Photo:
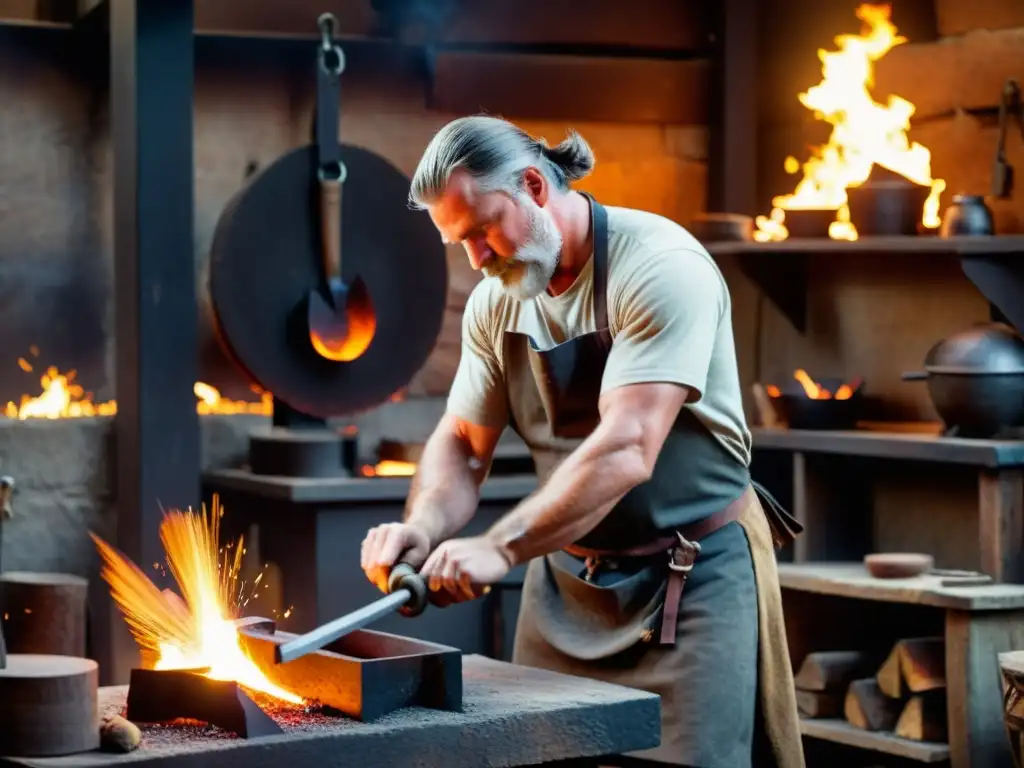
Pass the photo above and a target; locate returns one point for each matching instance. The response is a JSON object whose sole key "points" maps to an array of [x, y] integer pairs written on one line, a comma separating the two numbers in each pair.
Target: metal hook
{"points": [[326, 23], [331, 57]]}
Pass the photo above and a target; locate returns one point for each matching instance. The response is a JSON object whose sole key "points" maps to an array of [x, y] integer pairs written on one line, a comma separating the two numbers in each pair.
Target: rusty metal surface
{"points": [[516, 716], [266, 257], [162, 696], [365, 674]]}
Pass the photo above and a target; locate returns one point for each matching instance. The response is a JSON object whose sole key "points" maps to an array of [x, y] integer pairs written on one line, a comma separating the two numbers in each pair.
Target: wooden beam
{"points": [[732, 181], [677, 25], [227, 17], [966, 72], [572, 87], [956, 17], [280, 17], [157, 429]]}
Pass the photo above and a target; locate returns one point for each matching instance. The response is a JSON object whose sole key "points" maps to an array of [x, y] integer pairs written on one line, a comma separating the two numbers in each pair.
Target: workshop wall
{"points": [[876, 316], [55, 164]]}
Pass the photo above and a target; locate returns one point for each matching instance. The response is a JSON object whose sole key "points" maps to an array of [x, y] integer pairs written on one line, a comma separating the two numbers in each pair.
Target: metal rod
{"points": [[328, 633]]}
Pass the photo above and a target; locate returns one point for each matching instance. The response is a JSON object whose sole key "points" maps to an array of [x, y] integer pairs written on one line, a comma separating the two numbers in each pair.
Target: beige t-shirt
{"points": [[669, 313]]}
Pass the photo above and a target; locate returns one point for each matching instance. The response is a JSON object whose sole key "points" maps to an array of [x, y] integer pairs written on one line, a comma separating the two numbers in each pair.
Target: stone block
{"points": [[58, 455], [225, 439], [687, 142], [957, 16], [669, 186], [65, 484], [50, 531], [966, 72]]}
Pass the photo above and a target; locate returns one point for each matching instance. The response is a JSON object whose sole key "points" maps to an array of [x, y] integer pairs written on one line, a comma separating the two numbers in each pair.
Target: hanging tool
{"points": [[1002, 172], [340, 315], [407, 594]]}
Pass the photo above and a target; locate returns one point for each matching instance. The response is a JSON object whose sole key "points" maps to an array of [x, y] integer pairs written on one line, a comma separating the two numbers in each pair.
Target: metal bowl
{"points": [[810, 222], [802, 412]]}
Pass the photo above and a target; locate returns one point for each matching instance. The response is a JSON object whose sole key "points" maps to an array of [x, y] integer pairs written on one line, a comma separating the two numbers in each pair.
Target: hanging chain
{"points": [[331, 57]]}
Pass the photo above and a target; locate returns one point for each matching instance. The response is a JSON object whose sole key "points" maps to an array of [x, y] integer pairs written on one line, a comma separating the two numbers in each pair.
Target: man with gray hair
{"points": [[603, 337]]}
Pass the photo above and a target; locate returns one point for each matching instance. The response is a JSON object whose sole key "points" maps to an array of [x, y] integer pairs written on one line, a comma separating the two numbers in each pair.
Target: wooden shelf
{"points": [[841, 732], [853, 580], [924, 245], [991, 454], [994, 263]]}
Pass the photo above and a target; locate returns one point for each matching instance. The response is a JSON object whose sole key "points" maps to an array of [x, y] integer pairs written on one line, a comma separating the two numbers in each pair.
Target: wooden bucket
{"points": [[1012, 666]]}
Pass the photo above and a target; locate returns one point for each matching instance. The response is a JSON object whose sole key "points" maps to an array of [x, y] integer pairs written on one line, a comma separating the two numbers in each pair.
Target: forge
{"points": [[210, 688], [514, 716]]}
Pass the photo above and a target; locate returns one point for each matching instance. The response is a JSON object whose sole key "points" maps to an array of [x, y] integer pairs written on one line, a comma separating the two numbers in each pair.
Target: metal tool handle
{"points": [[404, 576], [330, 225], [1002, 171]]}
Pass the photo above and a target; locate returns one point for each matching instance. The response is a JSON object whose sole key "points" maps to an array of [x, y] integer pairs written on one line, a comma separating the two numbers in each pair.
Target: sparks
{"points": [[196, 631]]}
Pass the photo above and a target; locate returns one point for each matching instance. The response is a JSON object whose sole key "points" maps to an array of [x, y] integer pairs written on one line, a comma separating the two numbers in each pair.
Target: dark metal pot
{"points": [[976, 380], [801, 412], [887, 207], [968, 215]]}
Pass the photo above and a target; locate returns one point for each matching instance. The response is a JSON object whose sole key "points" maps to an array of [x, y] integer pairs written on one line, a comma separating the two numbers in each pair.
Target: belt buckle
{"points": [[688, 550]]}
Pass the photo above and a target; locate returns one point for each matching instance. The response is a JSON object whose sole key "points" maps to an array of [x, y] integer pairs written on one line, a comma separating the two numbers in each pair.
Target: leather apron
{"points": [[716, 651]]}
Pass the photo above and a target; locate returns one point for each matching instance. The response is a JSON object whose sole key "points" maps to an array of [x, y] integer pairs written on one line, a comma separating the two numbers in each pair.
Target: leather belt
{"points": [[682, 549]]}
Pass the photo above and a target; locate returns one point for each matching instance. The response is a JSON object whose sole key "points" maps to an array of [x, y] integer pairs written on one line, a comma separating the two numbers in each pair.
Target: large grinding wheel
{"points": [[266, 258], [48, 706]]}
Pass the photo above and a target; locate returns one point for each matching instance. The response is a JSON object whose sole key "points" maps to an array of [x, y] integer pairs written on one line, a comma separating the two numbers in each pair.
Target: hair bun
{"points": [[573, 156]]}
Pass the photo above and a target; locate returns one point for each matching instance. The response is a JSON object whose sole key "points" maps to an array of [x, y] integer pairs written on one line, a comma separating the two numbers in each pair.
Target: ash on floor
{"points": [[291, 718]]}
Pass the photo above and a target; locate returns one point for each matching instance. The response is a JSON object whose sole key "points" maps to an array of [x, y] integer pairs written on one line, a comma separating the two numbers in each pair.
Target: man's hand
{"points": [[459, 569], [386, 544]]}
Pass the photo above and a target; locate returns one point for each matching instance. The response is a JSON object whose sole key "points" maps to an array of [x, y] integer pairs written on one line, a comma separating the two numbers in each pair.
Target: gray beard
{"points": [[527, 274]]}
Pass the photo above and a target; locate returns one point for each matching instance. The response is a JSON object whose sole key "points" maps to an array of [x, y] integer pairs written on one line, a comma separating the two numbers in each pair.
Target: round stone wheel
{"points": [[48, 706]]}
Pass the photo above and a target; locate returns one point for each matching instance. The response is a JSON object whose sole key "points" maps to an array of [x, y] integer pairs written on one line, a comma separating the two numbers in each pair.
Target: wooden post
{"points": [[732, 180], [977, 737], [157, 428], [1001, 524]]}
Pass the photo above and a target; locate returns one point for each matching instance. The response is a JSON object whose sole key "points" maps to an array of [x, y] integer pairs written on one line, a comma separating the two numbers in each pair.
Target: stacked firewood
{"points": [[906, 695]]}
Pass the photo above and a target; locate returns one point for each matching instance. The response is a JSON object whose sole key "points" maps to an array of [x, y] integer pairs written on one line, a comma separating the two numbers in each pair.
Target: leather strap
{"points": [[599, 226], [330, 63], [682, 550]]}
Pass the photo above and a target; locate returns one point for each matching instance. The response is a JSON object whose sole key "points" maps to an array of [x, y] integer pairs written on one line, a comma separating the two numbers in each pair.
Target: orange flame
{"points": [[389, 468], [362, 326], [864, 133], [814, 390], [199, 631], [63, 398]]}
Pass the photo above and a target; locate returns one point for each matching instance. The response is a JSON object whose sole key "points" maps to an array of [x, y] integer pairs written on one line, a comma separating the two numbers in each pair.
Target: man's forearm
{"points": [[446, 489], [577, 496]]}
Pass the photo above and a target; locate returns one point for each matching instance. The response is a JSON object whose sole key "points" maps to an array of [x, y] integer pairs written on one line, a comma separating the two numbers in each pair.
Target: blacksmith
{"points": [[603, 337]]}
